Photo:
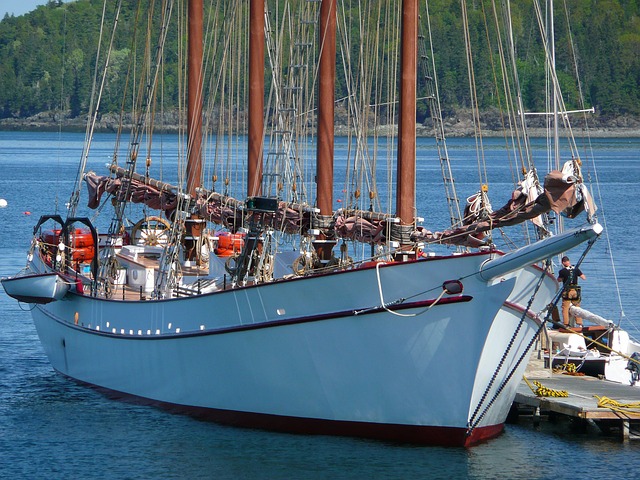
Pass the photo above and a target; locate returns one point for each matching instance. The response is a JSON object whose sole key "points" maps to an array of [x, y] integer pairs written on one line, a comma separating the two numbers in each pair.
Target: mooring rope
{"points": [[627, 408], [542, 391]]}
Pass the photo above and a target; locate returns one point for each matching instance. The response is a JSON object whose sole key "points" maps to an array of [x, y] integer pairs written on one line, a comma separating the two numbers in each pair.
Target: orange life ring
{"points": [[229, 244]]}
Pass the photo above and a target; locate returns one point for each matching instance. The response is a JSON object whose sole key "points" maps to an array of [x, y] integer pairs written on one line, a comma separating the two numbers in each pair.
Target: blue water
{"points": [[51, 427]]}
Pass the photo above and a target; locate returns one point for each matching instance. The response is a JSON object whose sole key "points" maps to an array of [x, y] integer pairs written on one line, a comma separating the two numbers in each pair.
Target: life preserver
{"points": [[79, 238], [51, 237], [80, 242], [229, 244], [85, 254]]}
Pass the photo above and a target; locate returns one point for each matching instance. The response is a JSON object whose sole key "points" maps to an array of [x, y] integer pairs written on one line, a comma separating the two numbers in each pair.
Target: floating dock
{"points": [[581, 404]]}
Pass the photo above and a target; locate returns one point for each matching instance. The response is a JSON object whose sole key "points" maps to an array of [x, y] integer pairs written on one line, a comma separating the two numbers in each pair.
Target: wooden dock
{"points": [[581, 405]]}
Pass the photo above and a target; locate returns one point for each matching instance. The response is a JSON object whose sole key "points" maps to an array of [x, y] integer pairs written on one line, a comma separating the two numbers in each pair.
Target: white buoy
{"points": [[3, 203]]}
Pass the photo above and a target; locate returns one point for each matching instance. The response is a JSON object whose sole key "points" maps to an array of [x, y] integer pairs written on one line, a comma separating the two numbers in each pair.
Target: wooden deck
{"points": [[126, 291], [581, 404]]}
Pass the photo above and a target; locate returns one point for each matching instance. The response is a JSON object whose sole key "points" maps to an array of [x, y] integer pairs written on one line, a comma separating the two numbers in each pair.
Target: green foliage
{"points": [[47, 57]]}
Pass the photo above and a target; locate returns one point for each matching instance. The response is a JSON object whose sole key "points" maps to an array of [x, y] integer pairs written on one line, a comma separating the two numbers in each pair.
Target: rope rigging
{"points": [[94, 105], [477, 416], [429, 74], [371, 105], [145, 101]]}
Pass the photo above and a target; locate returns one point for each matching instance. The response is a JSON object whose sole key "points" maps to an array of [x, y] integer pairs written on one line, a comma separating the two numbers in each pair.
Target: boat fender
{"points": [[79, 287]]}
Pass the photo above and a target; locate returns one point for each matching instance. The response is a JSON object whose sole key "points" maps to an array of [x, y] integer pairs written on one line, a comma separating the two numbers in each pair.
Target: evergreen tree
{"points": [[47, 57]]}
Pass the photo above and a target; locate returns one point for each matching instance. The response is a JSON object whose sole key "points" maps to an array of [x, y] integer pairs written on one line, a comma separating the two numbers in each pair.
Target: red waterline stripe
{"points": [[410, 434]]}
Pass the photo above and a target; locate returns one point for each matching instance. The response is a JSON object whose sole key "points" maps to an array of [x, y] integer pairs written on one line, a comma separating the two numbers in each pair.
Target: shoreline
{"points": [[458, 126], [422, 132]]}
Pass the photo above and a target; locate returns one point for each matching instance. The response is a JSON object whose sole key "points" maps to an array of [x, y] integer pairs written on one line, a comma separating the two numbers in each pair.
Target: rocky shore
{"points": [[459, 124]]}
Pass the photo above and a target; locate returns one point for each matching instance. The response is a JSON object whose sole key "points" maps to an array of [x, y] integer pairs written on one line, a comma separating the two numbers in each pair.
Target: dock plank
{"points": [[582, 401]]}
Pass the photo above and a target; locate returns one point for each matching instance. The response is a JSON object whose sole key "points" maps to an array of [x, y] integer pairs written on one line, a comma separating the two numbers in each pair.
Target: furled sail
{"points": [[563, 193]]}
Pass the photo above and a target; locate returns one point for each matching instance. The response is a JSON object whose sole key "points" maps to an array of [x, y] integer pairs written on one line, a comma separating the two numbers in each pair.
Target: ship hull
{"points": [[37, 288], [298, 356]]}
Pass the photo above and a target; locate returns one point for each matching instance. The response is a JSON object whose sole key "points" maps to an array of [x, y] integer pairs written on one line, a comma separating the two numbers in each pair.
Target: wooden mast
{"points": [[194, 223], [194, 105], [326, 100], [256, 97], [405, 194]]}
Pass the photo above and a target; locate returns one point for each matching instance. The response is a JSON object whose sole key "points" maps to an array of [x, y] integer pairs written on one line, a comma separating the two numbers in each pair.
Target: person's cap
{"points": [[565, 259]]}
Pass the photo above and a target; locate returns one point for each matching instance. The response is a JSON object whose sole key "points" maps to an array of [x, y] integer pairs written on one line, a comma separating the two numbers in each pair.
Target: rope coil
{"points": [[568, 369], [542, 391], [628, 408]]}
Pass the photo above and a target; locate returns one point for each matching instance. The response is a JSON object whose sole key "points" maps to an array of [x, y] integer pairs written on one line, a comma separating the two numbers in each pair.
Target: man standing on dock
{"points": [[571, 290]]}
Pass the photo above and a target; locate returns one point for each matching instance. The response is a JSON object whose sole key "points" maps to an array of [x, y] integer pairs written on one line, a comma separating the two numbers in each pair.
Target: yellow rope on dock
{"points": [[542, 391], [628, 408], [568, 369]]}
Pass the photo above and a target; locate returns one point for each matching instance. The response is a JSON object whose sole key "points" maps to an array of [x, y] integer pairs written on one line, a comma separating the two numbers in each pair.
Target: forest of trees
{"points": [[47, 57]]}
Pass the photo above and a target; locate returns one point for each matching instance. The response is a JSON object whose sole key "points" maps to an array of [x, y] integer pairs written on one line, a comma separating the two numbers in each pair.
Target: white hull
{"points": [[318, 360], [569, 347], [36, 288], [318, 354], [616, 368]]}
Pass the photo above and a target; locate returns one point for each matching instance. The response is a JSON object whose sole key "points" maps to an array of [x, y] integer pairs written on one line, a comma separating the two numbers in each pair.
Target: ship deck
{"points": [[127, 291]]}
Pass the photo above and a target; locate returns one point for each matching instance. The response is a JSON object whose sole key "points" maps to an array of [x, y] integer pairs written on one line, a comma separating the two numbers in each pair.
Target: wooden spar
{"points": [[157, 184], [326, 100], [326, 97], [256, 97], [405, 194], [194, 107], [194, 224]]}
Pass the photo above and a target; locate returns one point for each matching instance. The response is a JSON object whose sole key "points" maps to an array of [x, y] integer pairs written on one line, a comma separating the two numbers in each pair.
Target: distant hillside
{"points": [[47, 59]]}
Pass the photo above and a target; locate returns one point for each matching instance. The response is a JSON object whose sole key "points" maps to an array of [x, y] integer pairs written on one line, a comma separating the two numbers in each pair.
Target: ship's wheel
{"points": [[151, 231]]}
